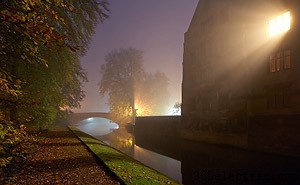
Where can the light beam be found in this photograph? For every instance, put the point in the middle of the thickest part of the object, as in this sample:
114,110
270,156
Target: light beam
280,24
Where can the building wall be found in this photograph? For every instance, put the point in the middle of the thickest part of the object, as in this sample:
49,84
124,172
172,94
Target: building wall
227,84
157,125
278,134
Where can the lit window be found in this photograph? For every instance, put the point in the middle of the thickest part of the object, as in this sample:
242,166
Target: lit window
287,59
280,24
280,61
272,64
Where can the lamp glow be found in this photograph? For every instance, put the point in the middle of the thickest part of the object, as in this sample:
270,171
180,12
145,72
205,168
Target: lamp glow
280,24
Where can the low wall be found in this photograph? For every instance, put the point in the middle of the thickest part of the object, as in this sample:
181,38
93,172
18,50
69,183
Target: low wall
157,125
272,134
276,134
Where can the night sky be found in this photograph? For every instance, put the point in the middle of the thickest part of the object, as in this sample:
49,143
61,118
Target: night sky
155,27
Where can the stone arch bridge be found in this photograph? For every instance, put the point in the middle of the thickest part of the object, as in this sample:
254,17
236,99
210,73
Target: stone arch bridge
74,118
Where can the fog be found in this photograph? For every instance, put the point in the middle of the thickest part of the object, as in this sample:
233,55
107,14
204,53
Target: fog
155,27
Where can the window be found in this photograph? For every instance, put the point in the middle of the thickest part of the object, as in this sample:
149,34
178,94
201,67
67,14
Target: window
278,97
279,24
272,64
280,61
287,59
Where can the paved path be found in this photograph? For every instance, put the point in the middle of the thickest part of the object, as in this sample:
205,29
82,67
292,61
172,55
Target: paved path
62,159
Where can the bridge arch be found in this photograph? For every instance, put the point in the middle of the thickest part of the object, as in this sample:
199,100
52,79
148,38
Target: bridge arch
75,118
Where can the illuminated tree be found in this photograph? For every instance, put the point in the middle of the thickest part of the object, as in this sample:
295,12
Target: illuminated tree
121,75
130,89
60,22
40,72
41,42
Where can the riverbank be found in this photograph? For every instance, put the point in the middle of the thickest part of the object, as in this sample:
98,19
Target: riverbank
126,168
59,158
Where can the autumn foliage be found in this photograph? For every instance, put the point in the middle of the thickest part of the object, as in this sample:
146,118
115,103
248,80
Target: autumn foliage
15,142
41,42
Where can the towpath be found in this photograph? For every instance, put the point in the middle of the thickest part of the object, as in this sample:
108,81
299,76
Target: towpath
61,158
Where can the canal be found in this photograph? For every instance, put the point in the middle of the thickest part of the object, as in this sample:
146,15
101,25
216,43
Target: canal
191,162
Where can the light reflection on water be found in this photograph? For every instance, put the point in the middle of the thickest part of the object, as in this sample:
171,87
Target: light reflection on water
119,138
196,158
161,163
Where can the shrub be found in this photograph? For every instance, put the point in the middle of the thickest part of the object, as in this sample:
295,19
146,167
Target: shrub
15,142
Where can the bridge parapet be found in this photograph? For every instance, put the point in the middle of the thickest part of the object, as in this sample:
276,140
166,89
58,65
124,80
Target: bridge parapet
75,118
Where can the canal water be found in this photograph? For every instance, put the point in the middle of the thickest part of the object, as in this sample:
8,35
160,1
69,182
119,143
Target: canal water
196,163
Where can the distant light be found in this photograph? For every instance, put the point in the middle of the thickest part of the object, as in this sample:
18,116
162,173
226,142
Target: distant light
140,109
280,24
115,126
174,112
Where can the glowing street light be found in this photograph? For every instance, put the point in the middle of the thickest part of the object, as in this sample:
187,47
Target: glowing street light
280,24
139,110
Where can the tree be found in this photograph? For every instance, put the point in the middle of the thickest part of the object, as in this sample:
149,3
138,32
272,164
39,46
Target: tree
61,87
121,75
40,72
33,34
130,89
59,22
177,108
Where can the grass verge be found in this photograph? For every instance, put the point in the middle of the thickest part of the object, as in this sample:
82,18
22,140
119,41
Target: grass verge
129,170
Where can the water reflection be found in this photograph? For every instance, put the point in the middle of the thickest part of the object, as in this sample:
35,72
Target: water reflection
211,164
201,163
169,166
124,141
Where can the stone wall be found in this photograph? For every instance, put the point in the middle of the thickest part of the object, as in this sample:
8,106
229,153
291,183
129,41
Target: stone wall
278,134
158,125
275,134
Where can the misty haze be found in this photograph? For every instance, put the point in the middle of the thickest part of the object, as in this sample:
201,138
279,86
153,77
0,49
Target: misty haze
149,92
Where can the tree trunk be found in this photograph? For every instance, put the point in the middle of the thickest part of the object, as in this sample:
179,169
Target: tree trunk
133,113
